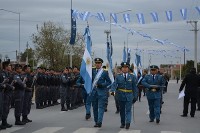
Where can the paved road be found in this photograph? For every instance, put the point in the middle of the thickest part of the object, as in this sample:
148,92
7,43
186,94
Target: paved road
52,120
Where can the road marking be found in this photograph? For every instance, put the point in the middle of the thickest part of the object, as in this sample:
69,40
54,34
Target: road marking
169,132
129,131
48,130
10,130
86,130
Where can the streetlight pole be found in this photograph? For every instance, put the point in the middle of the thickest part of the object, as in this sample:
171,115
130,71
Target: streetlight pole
195,41
19,30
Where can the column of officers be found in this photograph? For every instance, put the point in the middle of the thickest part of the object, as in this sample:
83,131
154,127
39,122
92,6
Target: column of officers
18,86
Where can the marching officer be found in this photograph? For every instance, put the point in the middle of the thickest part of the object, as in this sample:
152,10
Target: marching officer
126,92
99,92
154,83
86,97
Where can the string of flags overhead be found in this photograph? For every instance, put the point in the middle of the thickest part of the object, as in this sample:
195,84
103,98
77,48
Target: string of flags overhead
127,18
84,16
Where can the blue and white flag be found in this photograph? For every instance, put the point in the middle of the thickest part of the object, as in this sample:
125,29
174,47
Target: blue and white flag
124,54
140,17
86,16
114,16
184,13
128,55
109,58
126,18
198,9
86,64
101,16
75,14
169,15
154,16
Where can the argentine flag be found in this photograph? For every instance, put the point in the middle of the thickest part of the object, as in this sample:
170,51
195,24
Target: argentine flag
86,64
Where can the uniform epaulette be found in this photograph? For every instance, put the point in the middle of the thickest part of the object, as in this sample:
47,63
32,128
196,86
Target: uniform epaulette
105,69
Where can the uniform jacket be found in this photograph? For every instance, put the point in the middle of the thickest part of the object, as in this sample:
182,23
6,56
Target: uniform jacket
128,84
104,81
191,82
148,81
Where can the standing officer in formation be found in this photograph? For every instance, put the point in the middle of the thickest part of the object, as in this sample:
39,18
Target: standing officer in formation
99,92
154,83
28,94
20,86
6,80
64,87
126,92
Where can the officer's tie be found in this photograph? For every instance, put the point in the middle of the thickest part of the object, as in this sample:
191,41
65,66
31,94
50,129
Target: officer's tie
125,77
153,77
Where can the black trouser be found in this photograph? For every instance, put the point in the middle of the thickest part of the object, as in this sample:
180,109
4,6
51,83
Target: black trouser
116,102
63,95
27,103
186,104
198,99
74,92
38,95
1,104
7,96
19,98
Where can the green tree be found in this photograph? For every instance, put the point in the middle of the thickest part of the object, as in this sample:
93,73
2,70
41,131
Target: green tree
31,60
52,48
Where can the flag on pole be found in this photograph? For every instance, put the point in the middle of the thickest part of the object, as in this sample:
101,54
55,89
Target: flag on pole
86,64
109,58
73,29
124,54
128,55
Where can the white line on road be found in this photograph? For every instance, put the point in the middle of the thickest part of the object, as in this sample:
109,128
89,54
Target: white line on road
10,130
169,132
129,131
86,130
48,130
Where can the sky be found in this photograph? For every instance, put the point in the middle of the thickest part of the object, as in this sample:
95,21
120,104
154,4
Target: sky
38,11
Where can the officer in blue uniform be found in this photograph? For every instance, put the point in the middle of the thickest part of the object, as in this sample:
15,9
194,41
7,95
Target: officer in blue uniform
126,92
154,84
86,97
99,92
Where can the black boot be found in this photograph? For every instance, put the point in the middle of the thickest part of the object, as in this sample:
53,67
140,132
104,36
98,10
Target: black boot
87,116
18,122
63,108
25,119
127,125
4,123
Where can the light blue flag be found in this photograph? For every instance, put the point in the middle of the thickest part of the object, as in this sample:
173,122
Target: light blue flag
101,16
85,16
126,18
169,15
128,55
184,13
140,17
114,16
109,58
198,9
86,64
124,54
154,16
